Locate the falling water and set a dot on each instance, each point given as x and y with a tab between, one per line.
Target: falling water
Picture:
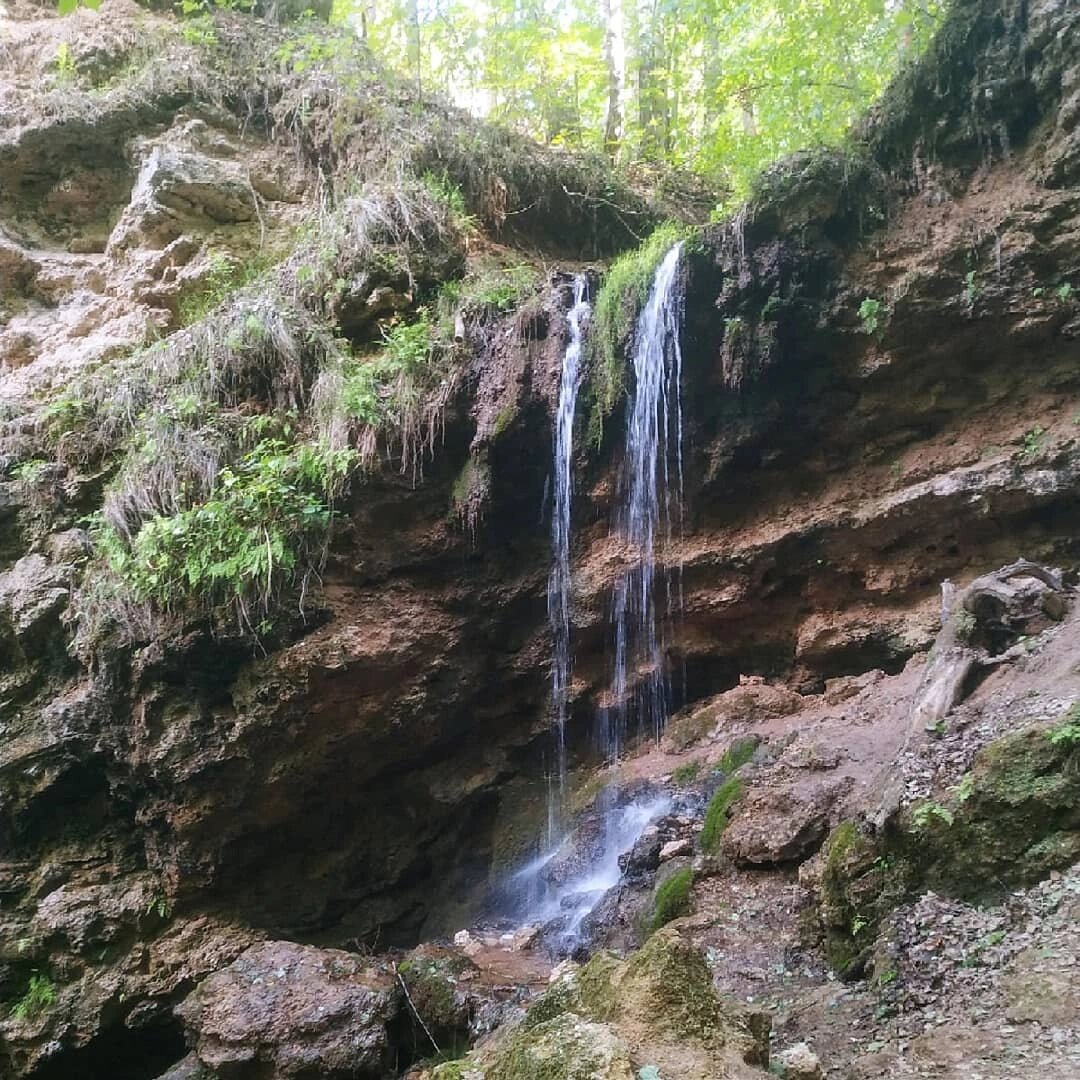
558	594
650	500
650	496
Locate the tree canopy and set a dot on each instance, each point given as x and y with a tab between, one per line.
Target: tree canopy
717	87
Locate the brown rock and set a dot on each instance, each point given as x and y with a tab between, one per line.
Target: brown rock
285	1010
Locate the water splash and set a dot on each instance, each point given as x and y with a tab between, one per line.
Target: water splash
558	590
651	488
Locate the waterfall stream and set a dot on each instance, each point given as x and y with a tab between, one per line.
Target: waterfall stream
558	592
650	497
564	883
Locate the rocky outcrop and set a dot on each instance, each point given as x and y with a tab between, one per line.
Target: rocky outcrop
363	775
613	1018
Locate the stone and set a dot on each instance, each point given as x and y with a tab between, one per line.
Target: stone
780	825
33	593
284	1010
675	847
799	1062
1035	994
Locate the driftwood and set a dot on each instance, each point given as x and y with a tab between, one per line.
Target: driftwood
988	611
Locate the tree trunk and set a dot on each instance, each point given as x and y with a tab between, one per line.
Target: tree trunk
615	59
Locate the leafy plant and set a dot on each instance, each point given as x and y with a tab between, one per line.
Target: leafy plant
445	191
1067	732
1033	441
245	542
718	812
872	314
224	276
928	812
1065	292
965	623
64	62
672	898
39	995
971	288
965	789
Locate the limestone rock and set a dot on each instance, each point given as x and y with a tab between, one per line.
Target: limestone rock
779	825
284	1010
799	1062
675	847
32	595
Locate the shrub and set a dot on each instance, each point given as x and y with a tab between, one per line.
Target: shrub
255	534
672	898
716	816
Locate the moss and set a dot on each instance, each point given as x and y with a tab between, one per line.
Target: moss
431	976
668	985
471	489
672	898
739	753
1021	802
717	814
1014	818
686	774
562	997
563	1048
860	883
596	986
503	421
624	291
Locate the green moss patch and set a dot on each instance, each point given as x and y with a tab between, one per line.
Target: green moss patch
718	813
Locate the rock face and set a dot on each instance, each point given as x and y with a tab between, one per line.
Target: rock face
168	802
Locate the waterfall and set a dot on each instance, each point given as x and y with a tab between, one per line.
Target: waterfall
563	884
558	592
650	499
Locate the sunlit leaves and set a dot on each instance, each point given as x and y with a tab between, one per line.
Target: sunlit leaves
722	87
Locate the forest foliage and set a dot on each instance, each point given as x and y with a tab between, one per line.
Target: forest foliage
720	88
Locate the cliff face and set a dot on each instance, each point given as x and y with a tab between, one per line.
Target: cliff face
881	392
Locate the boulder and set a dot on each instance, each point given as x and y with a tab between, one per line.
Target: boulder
780	825
33	593
799	1062
285	1010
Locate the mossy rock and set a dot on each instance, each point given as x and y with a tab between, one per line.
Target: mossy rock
863	879
668	984
566	1047
431	976
662	996
1020	818
1017	819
